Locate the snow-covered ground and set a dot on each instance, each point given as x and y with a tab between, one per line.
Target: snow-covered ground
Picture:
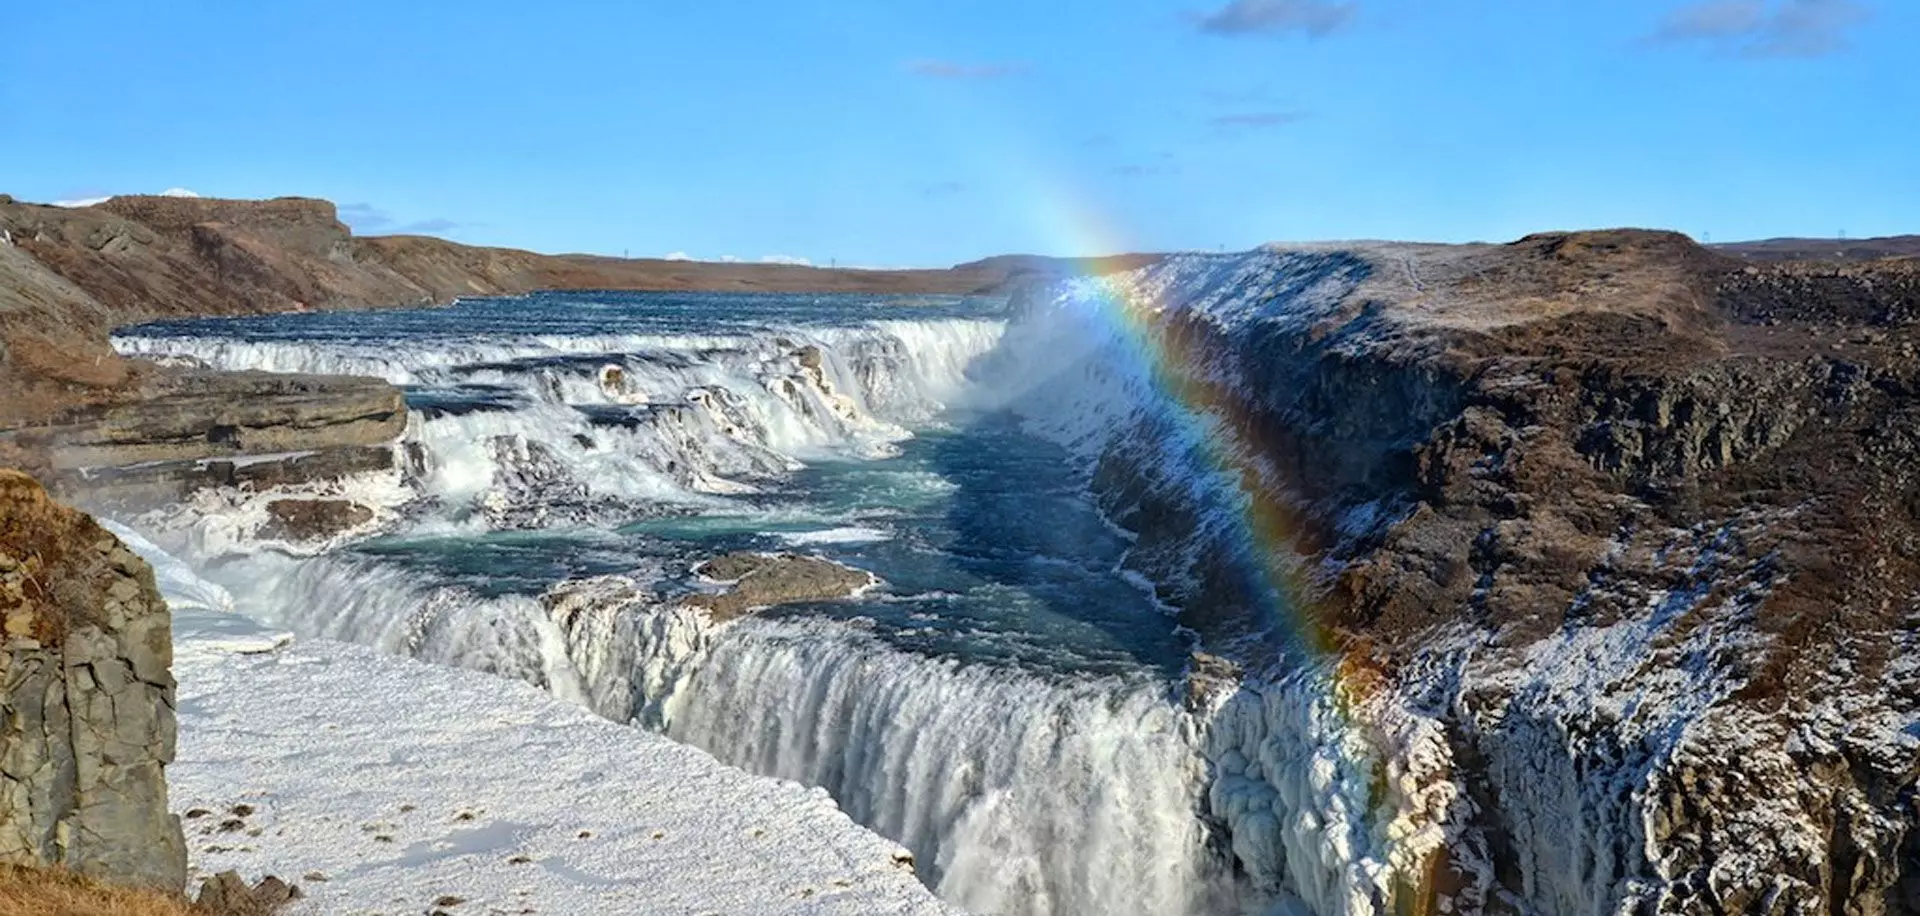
384	785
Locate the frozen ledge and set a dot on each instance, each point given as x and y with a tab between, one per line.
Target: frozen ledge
404	784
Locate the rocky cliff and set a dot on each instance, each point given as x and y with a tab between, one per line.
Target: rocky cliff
1576	575
88	698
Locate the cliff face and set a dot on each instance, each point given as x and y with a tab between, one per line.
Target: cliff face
1599	562
88	698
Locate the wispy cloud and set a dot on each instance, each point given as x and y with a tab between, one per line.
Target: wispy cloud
787	259
434	226
1256	119
363	217
959	70
368	219
1765	28
1314	18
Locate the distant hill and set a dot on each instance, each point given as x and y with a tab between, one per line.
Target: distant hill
1897	246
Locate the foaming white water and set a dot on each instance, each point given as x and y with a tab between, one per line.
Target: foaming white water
533	430
204	616
183	588
429	361
848	534
356	599
1018	795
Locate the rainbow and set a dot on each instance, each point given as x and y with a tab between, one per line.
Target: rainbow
1227	439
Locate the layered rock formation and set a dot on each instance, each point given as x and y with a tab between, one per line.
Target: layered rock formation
187	431
88	697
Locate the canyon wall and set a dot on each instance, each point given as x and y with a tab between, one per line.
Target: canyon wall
1576	575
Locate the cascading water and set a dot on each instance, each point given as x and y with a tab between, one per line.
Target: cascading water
1009	702
1004	705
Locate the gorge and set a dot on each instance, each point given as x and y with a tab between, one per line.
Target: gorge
1574	575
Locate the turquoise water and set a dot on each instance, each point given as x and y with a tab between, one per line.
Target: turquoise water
990	550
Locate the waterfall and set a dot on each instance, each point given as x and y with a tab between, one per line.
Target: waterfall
1020	794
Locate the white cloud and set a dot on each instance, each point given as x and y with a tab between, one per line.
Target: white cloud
90	201
785	259
676	256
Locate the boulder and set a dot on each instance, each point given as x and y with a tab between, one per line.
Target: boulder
313	519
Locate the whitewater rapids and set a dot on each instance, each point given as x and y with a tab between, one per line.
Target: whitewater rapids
1042	793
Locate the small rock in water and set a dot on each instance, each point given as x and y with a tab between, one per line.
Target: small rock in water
766	580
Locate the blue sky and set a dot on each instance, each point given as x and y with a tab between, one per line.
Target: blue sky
908	132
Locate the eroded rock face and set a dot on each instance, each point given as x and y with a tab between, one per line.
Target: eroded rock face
88	723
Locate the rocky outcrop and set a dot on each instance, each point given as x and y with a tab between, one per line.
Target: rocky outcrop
200	416
88	697
181	432
229	894
758	580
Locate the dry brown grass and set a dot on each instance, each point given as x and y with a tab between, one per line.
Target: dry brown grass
62	579
36	892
